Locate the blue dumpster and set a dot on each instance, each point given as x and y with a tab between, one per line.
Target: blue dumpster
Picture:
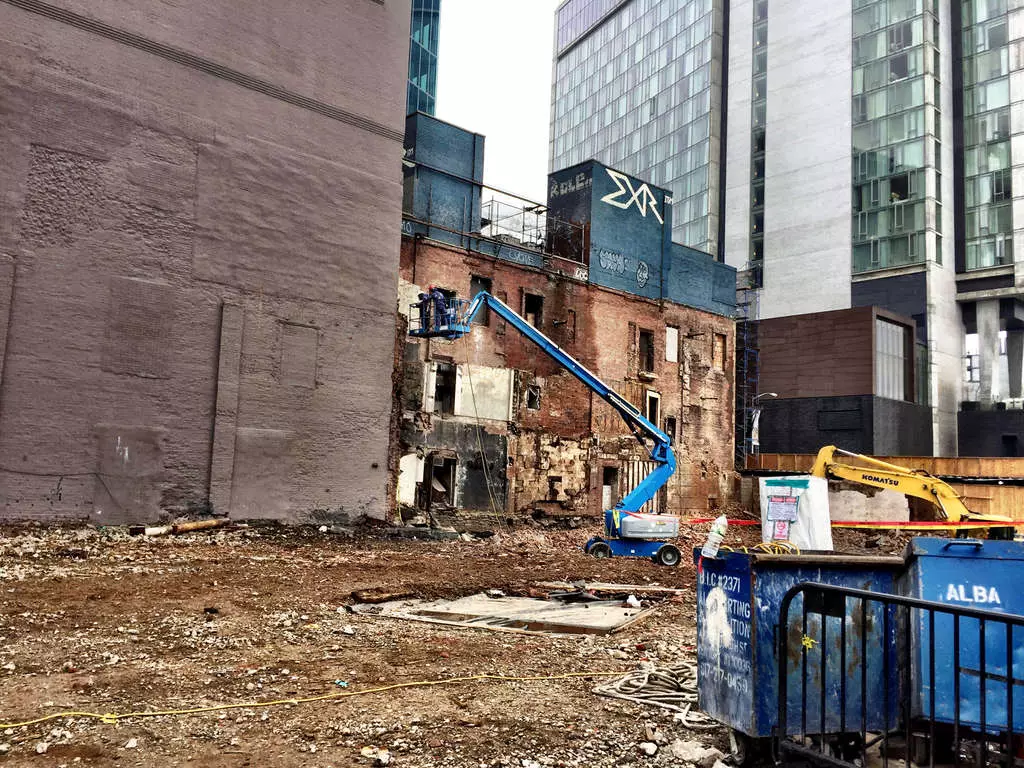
738	602
968	573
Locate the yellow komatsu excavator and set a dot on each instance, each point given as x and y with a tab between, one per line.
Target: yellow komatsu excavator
912	482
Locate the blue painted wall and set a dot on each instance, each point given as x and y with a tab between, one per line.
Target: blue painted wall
621	226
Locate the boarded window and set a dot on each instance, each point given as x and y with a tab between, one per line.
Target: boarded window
140	319
719	351
298	355
647	351
671	344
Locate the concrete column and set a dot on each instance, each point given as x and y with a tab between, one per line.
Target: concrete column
988	347
1015	359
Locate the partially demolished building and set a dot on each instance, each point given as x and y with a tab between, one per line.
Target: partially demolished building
489	426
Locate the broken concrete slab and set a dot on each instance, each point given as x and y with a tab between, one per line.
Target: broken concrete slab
521	614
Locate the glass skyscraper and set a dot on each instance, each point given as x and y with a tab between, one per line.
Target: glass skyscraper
636	86
423	38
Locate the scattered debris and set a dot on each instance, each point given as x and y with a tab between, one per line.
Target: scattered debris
132	743
380	595
176	528
672	688
649	748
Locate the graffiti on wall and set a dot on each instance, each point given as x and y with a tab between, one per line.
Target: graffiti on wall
641	195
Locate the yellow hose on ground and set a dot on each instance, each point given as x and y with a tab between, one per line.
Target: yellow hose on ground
111	718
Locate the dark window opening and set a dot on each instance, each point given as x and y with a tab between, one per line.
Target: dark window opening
1002	186
477	285
758	222
758	168
899	67
533	397
647	351
533	309
653	406
899	187
1010	447
759	140
439	482
444	388
670	427
554	487
609	487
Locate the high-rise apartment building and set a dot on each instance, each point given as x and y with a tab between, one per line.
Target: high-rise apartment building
423	44
638	85
869	160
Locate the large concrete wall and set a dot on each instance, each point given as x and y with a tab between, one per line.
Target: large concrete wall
200	208
808	197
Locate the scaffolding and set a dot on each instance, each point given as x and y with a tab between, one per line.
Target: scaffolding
530	225
747	361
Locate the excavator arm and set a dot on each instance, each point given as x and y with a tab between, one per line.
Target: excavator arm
912	482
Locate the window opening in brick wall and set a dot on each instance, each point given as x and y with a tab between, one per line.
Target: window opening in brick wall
653	406
533	397
533	309
670	427
554	487
647	351
718	352
609	487
477	285
439	482
444	389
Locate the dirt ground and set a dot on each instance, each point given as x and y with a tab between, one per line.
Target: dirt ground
99	621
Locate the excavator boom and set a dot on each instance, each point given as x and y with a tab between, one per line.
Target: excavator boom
911	482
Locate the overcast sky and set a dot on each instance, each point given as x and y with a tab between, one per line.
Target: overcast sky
494	78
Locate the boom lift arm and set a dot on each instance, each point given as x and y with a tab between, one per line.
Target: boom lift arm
912	482
457	324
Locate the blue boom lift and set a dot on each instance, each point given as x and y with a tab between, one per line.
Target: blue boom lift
628	532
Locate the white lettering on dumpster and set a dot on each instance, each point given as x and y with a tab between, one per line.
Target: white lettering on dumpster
978	594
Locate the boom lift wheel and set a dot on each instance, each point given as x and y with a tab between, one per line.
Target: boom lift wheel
600	549
668	555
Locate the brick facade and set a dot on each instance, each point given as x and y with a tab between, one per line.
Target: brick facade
555	456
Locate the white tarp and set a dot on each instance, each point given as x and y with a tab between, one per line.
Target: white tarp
795	509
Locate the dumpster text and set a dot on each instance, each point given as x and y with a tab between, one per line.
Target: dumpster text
977	594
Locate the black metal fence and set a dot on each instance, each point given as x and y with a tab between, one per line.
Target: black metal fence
867	678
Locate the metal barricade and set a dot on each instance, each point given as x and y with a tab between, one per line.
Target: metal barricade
948	673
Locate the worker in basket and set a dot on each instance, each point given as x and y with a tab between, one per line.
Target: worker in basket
440	307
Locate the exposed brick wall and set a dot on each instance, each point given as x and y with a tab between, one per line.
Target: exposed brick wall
574	433
199	277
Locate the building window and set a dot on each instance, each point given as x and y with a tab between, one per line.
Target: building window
671	344
653	406
891	360
718	352
533	309
477	285
533	397
646	351
670	427
444	388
